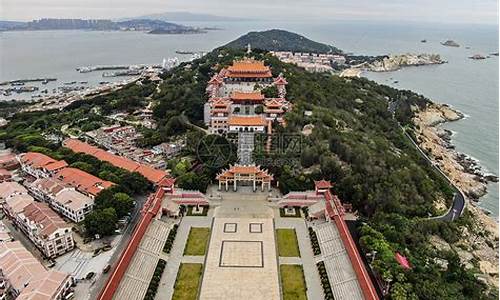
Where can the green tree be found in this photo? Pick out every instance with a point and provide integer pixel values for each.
(101, 221)
(84, 167)
(122, 203)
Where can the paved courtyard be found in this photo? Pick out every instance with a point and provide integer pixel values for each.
(241, 261)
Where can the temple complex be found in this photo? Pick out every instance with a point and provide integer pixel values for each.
(235, 100)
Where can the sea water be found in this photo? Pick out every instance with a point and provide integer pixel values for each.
(471, 86)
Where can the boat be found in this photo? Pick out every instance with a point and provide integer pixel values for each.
(423, 41)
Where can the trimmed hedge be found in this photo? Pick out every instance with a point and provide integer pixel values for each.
(170, 239)
(314, 241)
(155, 280)
(325, 282)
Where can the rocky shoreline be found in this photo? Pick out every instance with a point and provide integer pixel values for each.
(462, 170)
(478, 247)
(396, 62)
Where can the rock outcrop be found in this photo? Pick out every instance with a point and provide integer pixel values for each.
(395, 62)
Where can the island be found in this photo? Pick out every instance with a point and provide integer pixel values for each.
(450, 43)
(145, 25)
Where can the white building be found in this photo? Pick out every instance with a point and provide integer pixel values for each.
(63, 198)
(73, 205)
(46, 229)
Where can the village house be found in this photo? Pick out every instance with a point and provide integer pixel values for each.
(153, 175)
(15, 204)
(64, 199)
(82, 181)
(51, 234)
(40, 165)
(9, 189)
(24, 277)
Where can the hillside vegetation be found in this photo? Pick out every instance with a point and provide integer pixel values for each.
(280, 40)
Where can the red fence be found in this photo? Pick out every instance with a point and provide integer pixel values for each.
(149, 211)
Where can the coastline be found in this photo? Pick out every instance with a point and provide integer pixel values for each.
(466, 173)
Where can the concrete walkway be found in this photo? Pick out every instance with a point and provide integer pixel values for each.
(313, 282)
(193, 259)
(290, 260)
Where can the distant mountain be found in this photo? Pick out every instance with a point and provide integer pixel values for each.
(281, 40)
(101, 24)
(187, 17)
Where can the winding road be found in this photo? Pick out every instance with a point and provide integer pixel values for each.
(459, 201)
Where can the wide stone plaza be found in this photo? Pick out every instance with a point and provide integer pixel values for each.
(241, 261)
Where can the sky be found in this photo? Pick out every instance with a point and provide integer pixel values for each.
(432, 11)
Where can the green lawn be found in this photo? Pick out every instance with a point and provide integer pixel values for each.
(187, 282)
(197, 241)
(287, 243)
(293, 282)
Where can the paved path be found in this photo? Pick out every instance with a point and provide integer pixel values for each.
(167, 282)
(193, 259)
(459, 202)
(289, 260)
(313, 282)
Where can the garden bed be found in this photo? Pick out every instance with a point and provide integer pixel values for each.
(155, 281)
(197, 241)
(287, 243)
(325, 282)
(314, 241)
(187, 282)
(170, 239)
(293, 282)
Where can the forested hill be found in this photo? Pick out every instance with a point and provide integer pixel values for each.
(280, 40)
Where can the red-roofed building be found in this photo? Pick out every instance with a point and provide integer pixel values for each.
(235, 93)
(239, 123)
(5, 175)
(40, 165)
(322, 186)
(247, 97)
(152, 174)
(27, 279)
(82, 181)
(248, 70)
(51, 234)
